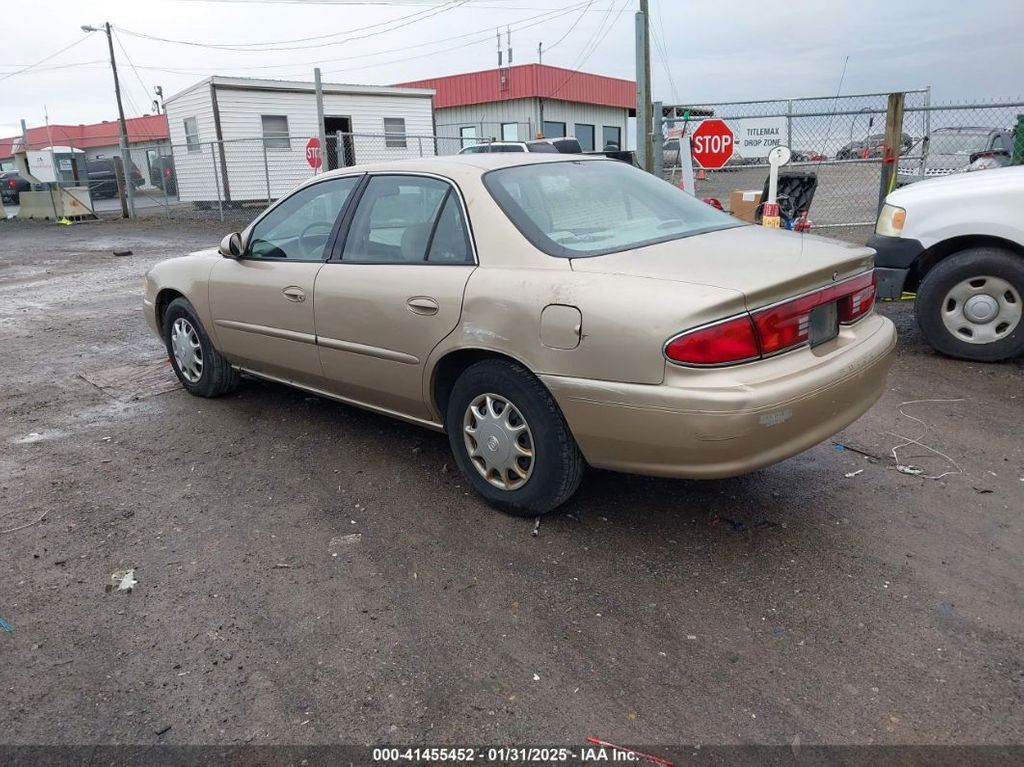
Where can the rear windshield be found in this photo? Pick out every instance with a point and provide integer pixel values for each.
(542, 146)
(590, 208)
(958, 142)
(99, 166)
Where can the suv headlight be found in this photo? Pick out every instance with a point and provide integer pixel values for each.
(890, 221)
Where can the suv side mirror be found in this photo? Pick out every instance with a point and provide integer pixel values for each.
(231, 246)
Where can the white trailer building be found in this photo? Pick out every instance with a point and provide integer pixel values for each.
(241, 140)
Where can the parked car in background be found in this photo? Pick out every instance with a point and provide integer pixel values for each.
(563, 144)
(12, 184)
(872, 147)
(509, 146)
(161, 175)
(545, 312)
(103, 182)
(807, 155)
(958, 242)
(951, 150)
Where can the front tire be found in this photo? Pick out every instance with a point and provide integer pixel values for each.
(199, 366)
(969, 306)
(510, 439)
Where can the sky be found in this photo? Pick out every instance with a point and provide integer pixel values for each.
(702, 51)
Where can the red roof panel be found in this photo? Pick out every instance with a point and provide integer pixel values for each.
(529, 81)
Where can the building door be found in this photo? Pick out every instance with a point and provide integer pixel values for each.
(332, 126)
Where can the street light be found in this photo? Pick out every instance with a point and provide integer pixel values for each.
(127, 190)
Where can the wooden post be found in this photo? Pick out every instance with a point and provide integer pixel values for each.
(893, 145)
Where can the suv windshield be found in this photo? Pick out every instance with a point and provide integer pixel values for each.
(589, 208)
(957, 143)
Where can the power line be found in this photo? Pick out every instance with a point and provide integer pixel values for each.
(585, 54)
(574, 24)
(482, 35)
(449, 5)
(44, 60)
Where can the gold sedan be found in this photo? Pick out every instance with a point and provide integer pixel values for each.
(547, 312)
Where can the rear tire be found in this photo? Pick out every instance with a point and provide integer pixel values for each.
(510, 440)
(202, 370)
(993, 280)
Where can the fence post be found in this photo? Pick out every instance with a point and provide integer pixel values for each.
(216, 178)
(927, 128)
(789, 124)
(892, 146)
(419, 142)
(658, 120)
(163, 180)
(266, 166)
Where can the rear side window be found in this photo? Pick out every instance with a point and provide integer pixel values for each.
(407, 219)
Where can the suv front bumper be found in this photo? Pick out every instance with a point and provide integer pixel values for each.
(893, 258)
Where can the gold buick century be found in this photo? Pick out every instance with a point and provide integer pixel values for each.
(546, 312)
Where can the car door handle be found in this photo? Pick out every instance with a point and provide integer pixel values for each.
(294, 293)
(424, 305)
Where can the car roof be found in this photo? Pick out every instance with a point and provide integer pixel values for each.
(461, 165)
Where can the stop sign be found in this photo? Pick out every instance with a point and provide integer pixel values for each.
(313, 153)
(712, 143)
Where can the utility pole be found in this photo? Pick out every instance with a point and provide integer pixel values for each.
(540, 53)
(127, 202)
(644, 112)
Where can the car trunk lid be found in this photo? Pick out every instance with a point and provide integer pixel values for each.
(765, 267)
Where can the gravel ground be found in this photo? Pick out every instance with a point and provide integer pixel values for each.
(311, 573)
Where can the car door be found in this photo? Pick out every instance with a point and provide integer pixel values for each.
(262, 302)
(395, 291)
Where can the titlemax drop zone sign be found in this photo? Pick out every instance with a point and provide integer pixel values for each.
(756, 137)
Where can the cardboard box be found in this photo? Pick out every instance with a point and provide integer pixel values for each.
(743, 203)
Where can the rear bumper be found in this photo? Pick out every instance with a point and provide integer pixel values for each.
(708, 424)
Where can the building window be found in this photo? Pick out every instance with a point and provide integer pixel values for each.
(191, 134)
(553, 130)
(468, 135)
(585, 135)
(611, 137)
(510, 131)
(275, 132)
(394, 132)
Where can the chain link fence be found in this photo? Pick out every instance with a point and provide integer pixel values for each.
(842, 142)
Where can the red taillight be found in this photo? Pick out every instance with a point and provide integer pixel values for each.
(789, 324)
(11, 183)
(772, 329)
(730, 341)
(855, 305)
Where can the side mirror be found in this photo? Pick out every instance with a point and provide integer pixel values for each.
(231, 246)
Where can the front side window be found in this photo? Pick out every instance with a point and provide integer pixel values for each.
(575, 209)
(585, 135)
(191, 134)
(611, 138)
(299, 227)
(275, 132)
(406, 219)
(394, 132)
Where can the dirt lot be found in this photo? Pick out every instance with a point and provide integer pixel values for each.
(310, 573)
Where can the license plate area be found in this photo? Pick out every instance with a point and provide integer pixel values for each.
(824, 323)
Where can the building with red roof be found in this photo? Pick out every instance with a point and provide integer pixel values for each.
(516, 103)
(98, 140)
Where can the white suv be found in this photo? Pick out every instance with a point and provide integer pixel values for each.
(958, 242)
